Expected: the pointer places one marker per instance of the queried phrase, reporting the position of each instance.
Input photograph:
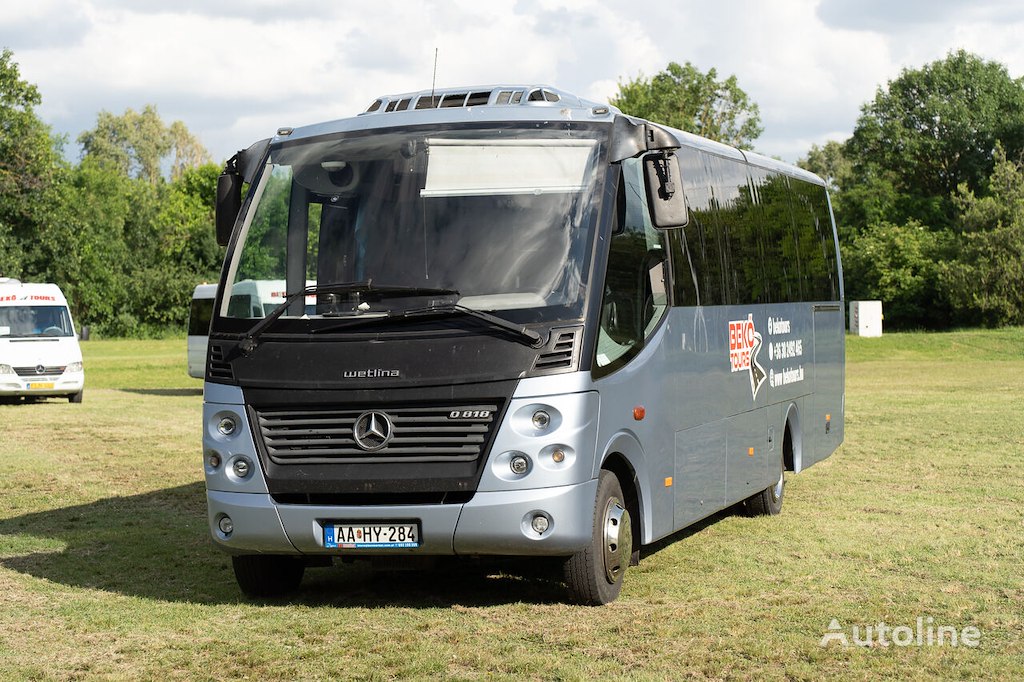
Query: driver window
(636, 284)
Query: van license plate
(371, 535)
(40, 385)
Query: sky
(234, 71)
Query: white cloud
(236, 70)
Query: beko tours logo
(744, 345)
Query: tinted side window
(636, 281)
(703, 240)
(782, 271)
(199, 317)
(814, 242)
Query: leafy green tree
(831, 163)
(685, 98)
(29, 160)
(985, 283)
(900, 265)
(139, 144)
(934, 128)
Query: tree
(685, 98)
(935, 128)
(29, 160)
(986, 282)
(139, 144)
(899, 265)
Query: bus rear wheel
(768, 502)
(267, 575)
(594, 575)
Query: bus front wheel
(594, 575)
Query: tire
(594, 575)
(768, 502)
(76, 397)
(267, 575)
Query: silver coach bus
(542, 328)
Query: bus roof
(504, 102)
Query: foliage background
(928, 193)
(126, 232)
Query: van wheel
(768, 502)
(76, 397)
(267, 575)
(594, 575)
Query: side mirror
(665, 190)
(229, 202)
(239, 169)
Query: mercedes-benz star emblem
(372, 431)
(40, 369)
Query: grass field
(107, 571)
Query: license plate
(40, 385)
(371, 535)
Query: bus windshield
(35, 320)
(499, 219)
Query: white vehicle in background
(250, 299)
(199, 328)
(39, 352)
(255, 298)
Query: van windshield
(500, 218)
(24, 321)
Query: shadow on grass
(166, 392)
(157, 546)
(693, 529)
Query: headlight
(74, 367)
(6, 369)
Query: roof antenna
(433, 83)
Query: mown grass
(107, 572)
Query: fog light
(213, 460)
(242, 467)
(558, 456)
(540, 523)
(226, 426)
(541, 419)
(226, 525)
(519, 464)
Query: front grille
(428, 433)
(56, 370)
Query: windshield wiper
(444, 309)
(251, 340)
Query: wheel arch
(623, 456)
(792, 440)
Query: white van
(249, 298)
(254, 298)
(199, 328)
(39, 352)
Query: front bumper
(492, 523)
(68, 383)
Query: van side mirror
(229, 202)
(665, 194)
